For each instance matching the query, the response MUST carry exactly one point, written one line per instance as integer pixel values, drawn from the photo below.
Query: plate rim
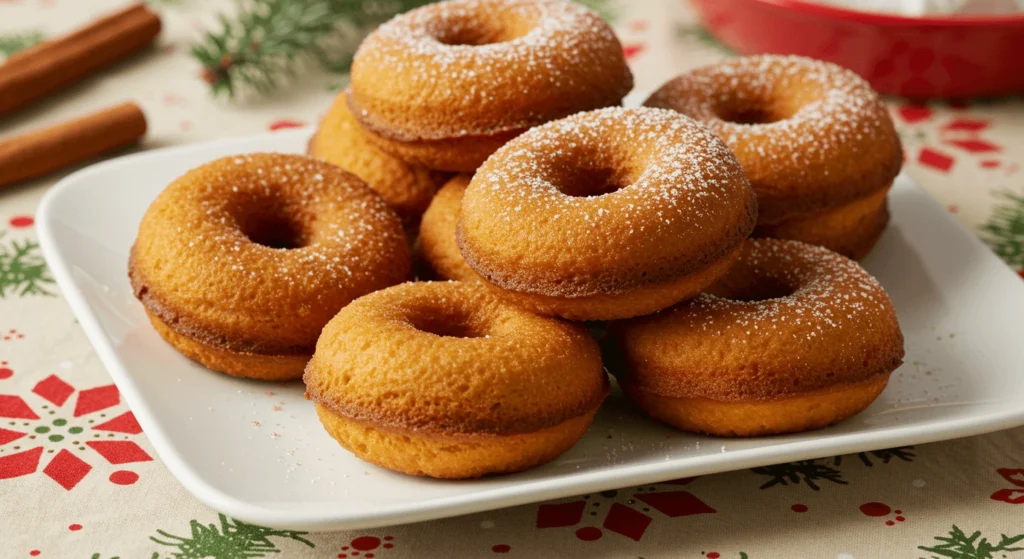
(317, 519)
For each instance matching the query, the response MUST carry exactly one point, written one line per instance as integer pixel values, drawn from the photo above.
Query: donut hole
(274, 230)
(486, 29)
(750, 112)
(449, 323)
(587, 182)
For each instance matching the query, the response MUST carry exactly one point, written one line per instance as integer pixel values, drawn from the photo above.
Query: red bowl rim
(876, 18)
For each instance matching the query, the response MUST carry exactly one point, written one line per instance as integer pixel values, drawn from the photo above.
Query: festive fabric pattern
(78, 477)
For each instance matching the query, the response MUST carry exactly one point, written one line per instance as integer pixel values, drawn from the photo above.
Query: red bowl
(951, 57)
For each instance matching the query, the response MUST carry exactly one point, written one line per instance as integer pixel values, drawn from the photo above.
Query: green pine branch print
(958, 545)
(22, 269)
(12, 43)
(233, 539)
(1004, 230)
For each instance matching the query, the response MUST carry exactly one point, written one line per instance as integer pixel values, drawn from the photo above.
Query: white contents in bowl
(931, 7)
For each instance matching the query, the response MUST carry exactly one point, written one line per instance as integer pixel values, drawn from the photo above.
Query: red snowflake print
(938, 145)
(73, 434)
(366, 546)
(622, 518)
(1012, 495)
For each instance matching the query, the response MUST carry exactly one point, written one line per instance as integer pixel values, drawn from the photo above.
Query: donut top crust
(682, 203)
(829, 139)
(481, 67)
(836, 326)
(194, 267)
(407, 188)
(384, 360)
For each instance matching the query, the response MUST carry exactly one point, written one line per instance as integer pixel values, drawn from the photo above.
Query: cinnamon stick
(50, 66)
(42, 151)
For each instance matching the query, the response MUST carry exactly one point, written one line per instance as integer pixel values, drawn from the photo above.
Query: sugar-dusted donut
(815, 141)
(436, 253)
(606, 214)
(446, 84)
(241, 262)
(795, 337)
(405, 187)
(442, 379)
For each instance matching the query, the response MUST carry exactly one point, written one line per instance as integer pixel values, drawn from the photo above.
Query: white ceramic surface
(256, 451)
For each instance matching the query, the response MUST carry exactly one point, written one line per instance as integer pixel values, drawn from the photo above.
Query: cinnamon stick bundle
(42, 151)
(50, 66)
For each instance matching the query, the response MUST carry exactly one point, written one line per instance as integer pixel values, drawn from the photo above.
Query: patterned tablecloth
(79, 479)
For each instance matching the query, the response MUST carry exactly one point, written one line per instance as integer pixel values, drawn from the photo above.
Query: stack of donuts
(482, 143)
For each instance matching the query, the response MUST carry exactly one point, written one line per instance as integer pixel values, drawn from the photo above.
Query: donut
(240, 262)
(442, 379)
(407, 188)
(606, 214)
(815, 141)
(446, 84)
(794, 337)
(436, 252)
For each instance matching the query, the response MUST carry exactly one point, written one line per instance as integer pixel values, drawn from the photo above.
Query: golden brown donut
(405, 187)
(436, 251)
(815, 141)
(606, 214)
(795, 337)
(447, 84)
(441, 379)
(240, 262)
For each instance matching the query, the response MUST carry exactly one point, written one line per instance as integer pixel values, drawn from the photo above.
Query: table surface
(60, 497)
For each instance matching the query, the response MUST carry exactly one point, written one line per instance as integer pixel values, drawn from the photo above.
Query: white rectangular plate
(960, 308)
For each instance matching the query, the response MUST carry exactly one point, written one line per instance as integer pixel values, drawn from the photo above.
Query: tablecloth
(79, 479)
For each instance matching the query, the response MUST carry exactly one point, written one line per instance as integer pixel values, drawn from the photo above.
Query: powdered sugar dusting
(479, 54)
(349, 233)
(681, 195)
(818, 108)
(828, 291)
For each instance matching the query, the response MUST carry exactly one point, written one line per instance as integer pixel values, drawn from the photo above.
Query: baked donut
(406, 188)
(436, 253)
(447, 84)
(240, 262)
(441, 379)
(815, 141)
(795, 337)
(606, 214)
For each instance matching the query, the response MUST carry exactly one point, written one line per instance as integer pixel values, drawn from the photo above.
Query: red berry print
(365, 543)
(875, 509)
(713, 555)
(631, 51)
(20, 221)
(798, 508)
(285, 123)
(501, 548)
(75, 527)
(34, 552)
(6, 373)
